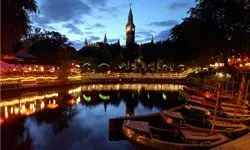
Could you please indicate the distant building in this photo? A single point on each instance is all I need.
(130, 29)
(96, 44)
(130, 34)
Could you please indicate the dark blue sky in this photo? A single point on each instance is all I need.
(78, 19)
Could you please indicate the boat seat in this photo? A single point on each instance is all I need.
(225, 124)
(196, 135)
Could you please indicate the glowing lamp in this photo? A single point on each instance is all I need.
(1, 120)
(72, 102)
(26, 112)
(42, 69)
(52, 105)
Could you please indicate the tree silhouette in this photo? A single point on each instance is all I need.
(14, 22)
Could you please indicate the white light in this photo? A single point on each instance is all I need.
(220, 75)
(228, 76)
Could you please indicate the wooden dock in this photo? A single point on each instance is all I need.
(242, 143)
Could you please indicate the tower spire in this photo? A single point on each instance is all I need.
(86, 42)
(152, 39)
(130, 15)
(130, 28)
(105, 39)
(118, 42)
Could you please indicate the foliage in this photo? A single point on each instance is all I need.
(50, 46)
(214, 27)
(15, 22)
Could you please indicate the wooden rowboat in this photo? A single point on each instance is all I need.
(147, 135)
(180, 116)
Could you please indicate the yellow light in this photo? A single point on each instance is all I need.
(42, 69)
(28, 78)
(241, 65)
(52, 105)
(11, 110)
(6, 114)
(220, 75)
(75, 90)
(72, 102)
(1, 120)
(28, 99)
(78, 100)
(16, 110)
(42, 105)
(74, 77)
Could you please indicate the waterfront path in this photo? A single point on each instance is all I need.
(242, 143)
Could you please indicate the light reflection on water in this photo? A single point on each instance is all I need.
(77, 118)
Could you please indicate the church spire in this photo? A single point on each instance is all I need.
(105, 39)
(130, 16)
(118, 42)
(86, 42)
(152, 39)
(130, 29)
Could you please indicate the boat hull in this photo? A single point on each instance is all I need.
(143, 142)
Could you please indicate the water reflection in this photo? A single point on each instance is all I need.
(41, 120)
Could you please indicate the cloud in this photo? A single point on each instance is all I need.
(144, 33)
(93, 38)
(110, 10)
(88, 32)
(178, 5)
(112, 40)
(63, 10)
(97, 25)
(77, 44)
(144, 40)
(163, 35)
(77, 21)
(41, 20)
(73, 28)
(166, 23)
(97, 2)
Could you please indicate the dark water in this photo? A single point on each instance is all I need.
(77, 118)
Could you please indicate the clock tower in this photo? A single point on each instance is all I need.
(130, 29)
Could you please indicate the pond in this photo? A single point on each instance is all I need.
(77, 117)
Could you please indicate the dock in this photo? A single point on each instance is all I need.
(242, 143)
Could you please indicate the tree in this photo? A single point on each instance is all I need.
(14, 22)
(50, 46)
(130, 53)
(214, 27)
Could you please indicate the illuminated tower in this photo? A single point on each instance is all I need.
(130, 29)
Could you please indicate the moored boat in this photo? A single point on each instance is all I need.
(147, 135)
(200, 118)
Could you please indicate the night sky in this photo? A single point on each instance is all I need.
(78, 19)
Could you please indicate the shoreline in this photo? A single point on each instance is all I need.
(94, 81)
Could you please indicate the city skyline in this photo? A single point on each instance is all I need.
(91, 19)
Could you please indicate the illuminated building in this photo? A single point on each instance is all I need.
(130, 29)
